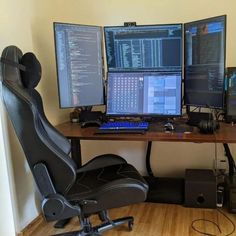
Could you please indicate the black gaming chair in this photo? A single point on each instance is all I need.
(105, 182)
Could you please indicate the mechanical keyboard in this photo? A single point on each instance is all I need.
(120, 131)
(124, 125)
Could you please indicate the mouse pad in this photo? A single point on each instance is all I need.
(178, 128)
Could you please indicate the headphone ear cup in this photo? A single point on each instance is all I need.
(208, 126)
(215, 125)
(202, 126)
(205, 127)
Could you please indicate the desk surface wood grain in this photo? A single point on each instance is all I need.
(226, 134)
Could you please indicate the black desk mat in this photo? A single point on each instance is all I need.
(178, 127)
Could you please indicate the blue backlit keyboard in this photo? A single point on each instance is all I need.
(124, 125)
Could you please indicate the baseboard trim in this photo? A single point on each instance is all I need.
(31, 227)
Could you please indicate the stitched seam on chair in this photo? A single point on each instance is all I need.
(83, 184)
(131, 171)
(119, 172)
(85, 187)
(80, 177)
(99, 178)
(130, 185)
(4, 65)
(79, 184)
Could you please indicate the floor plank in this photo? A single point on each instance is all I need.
(154, 219)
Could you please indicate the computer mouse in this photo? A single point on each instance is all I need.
(169, 126)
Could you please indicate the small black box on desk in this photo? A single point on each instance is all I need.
(200, 188)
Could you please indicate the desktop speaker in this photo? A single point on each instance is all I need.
(200, 188)
(231, 95)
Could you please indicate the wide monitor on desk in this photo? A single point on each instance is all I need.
(144, 66)
(144, 48)
(144, 94)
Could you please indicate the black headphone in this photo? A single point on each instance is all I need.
(208, 126)
(30, 69)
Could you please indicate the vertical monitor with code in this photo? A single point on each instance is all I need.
(205, 62)
(144, 94)
(144, 48)
(231, 94)
(79, 65)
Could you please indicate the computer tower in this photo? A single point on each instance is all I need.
(200, 188)
(230, 94)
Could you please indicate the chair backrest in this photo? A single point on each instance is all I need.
(39, 139)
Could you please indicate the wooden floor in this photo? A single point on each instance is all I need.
(154, 219)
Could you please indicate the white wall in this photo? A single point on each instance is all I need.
(15, 29)
(7, 225)
(28, 24)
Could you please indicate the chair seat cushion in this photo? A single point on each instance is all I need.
(111, 186)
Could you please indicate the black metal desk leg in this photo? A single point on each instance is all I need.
(230, 159)
(148, 159)
(76, 151)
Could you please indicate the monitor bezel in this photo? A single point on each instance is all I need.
(102, 58)
(136, 27)
(210, 19)
(150, 115)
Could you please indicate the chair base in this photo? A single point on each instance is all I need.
(99, 229)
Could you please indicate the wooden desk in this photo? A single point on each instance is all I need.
(226, 134)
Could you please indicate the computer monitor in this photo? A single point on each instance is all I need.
(79, 65)
(231, 95)
(144, 94)
(144, 48)
(205, 62)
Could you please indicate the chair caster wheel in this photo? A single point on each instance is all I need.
(95, 234)
(130, 225)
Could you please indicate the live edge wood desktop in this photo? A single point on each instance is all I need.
(73, 131)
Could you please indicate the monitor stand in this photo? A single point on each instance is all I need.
(91, 118)
(86, 117)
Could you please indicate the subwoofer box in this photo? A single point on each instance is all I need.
(200, 188)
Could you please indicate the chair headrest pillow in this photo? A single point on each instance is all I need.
(32, 73)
